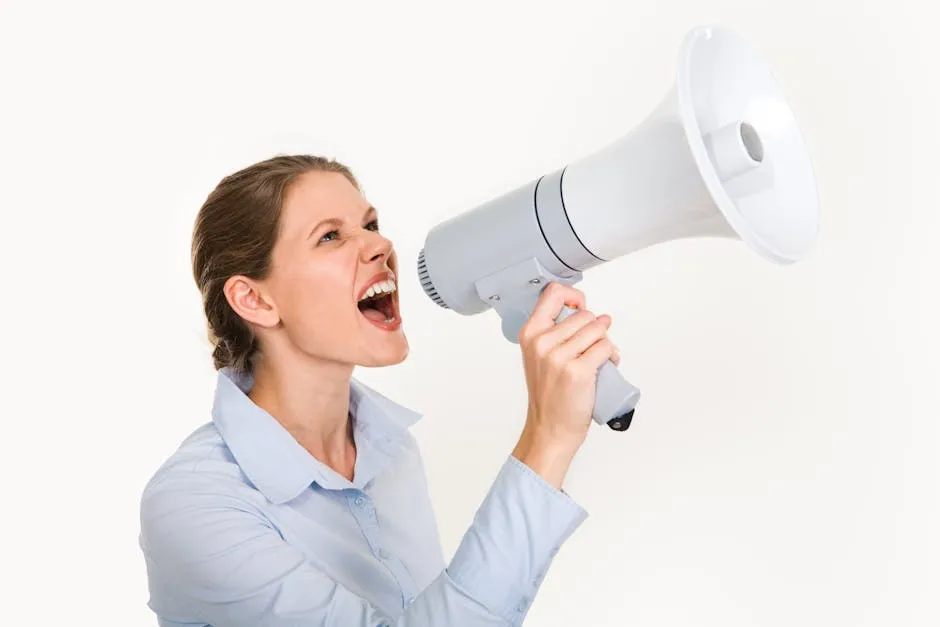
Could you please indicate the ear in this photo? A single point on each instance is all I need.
(249, 300)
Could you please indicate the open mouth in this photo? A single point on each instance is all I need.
(380, 308)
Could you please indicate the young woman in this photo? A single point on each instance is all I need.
(303, 501)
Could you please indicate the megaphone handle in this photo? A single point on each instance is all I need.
(616, 398)
(514, 292)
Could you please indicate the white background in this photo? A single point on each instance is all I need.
(782, 469)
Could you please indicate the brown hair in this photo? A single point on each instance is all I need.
(234, 234)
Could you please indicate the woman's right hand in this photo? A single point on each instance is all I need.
(561, 363)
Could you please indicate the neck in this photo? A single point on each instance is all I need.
(311, 401)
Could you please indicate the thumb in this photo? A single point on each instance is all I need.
(554, 297)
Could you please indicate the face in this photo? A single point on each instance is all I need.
(329, 250)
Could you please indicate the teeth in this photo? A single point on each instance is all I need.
(379, 288)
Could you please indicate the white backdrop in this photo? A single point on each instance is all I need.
(782, 469)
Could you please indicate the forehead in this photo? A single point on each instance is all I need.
(315, 196)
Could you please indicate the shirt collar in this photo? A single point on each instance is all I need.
(278, 465)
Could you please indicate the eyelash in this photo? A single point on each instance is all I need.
(375, 222)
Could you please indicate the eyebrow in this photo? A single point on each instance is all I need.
(337, 221)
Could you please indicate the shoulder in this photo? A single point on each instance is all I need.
(201, 473)
(198, 502)
(202, 451)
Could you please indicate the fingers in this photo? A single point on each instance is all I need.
(584, 338)
(555, 296)
(567, 328)
(581, 336)
(595, 356)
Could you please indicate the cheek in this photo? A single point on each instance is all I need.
(314, 297)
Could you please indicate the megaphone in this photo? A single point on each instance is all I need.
(721, 156)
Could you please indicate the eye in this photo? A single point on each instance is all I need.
(374, 223)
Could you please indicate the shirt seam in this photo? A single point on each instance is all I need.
(168, 472)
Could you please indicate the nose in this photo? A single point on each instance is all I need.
(376, 248)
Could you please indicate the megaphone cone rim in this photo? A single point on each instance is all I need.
(694, 137)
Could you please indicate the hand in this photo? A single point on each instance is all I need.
(561, 363)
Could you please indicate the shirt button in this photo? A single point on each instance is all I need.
(383, 554)
(409, 600)
(360, 501)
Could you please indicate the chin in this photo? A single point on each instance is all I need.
(390, 357)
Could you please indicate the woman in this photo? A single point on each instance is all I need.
(303, 502)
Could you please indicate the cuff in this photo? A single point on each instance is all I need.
(516, 532)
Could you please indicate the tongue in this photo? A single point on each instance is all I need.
(374, 314)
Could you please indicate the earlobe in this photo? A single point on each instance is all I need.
(246, 297)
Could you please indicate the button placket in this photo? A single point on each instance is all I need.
(363, 512)
(360, 506)
(367, 518)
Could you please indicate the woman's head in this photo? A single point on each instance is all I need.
(279, 283)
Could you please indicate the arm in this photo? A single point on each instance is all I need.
(229, 567)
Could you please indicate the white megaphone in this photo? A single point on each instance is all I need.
(721, 156)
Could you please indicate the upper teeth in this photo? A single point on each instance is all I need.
(382, 287)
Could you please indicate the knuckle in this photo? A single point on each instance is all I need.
(590, 329)
(541, 344)
(525, 334)
(585, 317)
(556, 360)
(575, 372)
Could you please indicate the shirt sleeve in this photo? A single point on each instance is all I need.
(227, 565)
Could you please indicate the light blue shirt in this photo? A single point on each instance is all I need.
(242, 527)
